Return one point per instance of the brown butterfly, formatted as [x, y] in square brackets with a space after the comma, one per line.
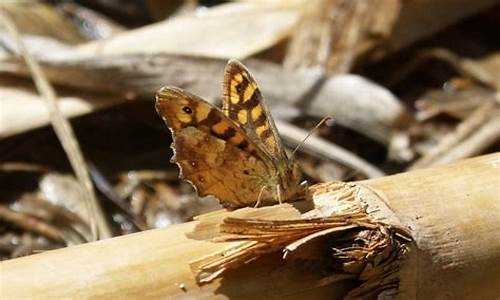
[234, 154]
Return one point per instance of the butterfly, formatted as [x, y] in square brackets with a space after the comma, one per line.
[234, 154]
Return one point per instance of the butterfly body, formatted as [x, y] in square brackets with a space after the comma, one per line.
[235, 153]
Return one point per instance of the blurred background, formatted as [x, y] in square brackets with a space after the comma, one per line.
[410, 84]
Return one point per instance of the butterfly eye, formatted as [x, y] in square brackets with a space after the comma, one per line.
[239, 88]
[187, 109]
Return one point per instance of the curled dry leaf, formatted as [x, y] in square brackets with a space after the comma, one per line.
[65, 192]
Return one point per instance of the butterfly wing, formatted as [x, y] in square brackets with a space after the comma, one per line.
[243, 103]
[181, 109]
[211, 150]
[216, 168]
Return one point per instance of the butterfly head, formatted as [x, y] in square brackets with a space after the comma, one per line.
[289, 177]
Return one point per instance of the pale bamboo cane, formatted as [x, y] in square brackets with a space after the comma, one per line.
[453, 213]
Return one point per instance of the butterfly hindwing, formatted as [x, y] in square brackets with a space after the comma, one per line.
[233, 176]
[243, 103]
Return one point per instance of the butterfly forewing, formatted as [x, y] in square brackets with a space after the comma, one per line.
[211, 150]
[181, 109]
[243, 103]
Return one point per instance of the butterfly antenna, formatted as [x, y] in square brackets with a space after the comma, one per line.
[309, 134]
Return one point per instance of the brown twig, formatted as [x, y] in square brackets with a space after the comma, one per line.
[482, 138]
[29, 223]
[465, 129]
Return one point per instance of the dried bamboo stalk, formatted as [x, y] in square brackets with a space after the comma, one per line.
[378, 110]
[452, 213]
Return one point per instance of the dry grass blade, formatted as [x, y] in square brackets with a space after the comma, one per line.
[64, 132]
[488, 134]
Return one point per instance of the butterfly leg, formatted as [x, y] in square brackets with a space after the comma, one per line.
[278, 193]
[260, 196]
